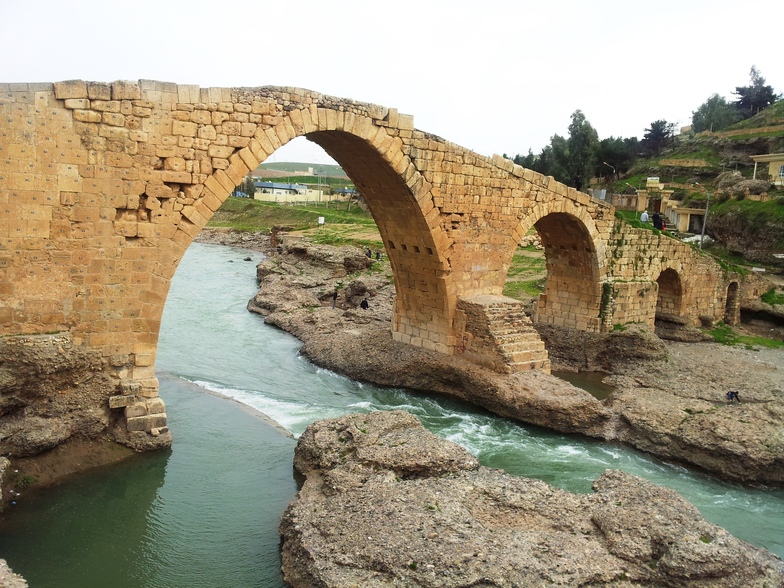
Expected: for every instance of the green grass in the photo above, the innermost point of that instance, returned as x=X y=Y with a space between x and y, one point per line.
x=244 y=214
x=773 y=115
x=726 y=336
x=531 y=288
x=337 y=238
x=773 y=297
x=693 y=150
x=753 y=135
x=525 y=278
x=751 y=211
x=522 y=264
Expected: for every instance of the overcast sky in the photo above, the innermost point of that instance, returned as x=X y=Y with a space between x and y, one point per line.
x=493 y=76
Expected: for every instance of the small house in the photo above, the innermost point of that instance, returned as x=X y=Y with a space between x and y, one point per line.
x=775 y=163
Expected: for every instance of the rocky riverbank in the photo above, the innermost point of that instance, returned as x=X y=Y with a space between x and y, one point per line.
x=386 y=503
x=669 y=398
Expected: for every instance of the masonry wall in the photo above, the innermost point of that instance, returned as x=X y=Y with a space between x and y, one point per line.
x=649 y=271
x=103 y=186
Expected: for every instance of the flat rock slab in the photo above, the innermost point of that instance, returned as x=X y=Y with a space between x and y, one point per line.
x=386 y=503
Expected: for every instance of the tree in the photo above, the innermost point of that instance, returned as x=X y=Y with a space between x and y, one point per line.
x=247 y=186
x=546 y=162
x=658 y=136
x=754 y=97
x=618 y=154
x=714 y=114
x=526 y=161
x=581 y=149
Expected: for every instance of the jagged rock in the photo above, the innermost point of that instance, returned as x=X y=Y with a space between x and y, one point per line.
x=582 y=350
x=386 y=503
x=49 y=391
x=8 y=579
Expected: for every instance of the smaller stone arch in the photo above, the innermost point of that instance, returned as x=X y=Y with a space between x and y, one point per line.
x=732 y=304
x=573 y=293
x=669 y=301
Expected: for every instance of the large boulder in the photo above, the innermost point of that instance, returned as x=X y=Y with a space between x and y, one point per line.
x=386 y=503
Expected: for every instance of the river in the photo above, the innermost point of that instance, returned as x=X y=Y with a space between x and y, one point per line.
x=205 y=513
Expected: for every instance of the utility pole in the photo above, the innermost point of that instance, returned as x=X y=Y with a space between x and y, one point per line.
x=705 y=217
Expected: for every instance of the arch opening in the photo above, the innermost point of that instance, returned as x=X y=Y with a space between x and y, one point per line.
x=422 y=302
x=424 y=305
x=572 y=295
x=669 y=301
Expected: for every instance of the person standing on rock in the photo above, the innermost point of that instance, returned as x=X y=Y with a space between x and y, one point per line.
x=364 y=304
x=334 y=298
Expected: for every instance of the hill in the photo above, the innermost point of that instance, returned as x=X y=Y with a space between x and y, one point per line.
x=293 y=168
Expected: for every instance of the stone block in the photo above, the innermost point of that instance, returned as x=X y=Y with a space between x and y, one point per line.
x=221 y=151
x=70 y=89
x=99 y=91
x=146 y=422
x=126 y=90
x=136 y=409
x=121 y=401
x=74 y=103
x=156 y=406
x=187 y=129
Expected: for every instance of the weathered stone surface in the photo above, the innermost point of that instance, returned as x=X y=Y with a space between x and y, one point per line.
x=669 y=398
x=368 y=515
x=8 y=579
x=121 y=401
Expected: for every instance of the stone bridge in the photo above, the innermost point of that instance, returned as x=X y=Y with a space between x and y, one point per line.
x=103 y=186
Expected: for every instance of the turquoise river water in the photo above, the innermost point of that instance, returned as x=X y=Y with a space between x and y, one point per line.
x=205 y=513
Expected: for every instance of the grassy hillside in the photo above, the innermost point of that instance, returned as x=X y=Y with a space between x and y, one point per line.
x=717 y=152
x=295 y=167
x=244 y=214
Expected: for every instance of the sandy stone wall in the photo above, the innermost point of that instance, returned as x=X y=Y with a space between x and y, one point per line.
x=651 y=272
x=499 y=335
x=103 y=186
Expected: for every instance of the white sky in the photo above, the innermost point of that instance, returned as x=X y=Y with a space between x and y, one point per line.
x=494 y=76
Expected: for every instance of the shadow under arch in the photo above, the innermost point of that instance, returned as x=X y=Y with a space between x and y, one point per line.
x=732 y=304
x=423 y=306
x=573 y=292
x=669 y=300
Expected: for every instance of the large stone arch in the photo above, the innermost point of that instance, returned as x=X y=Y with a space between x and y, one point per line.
x=399 y=200
x=402 y=206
